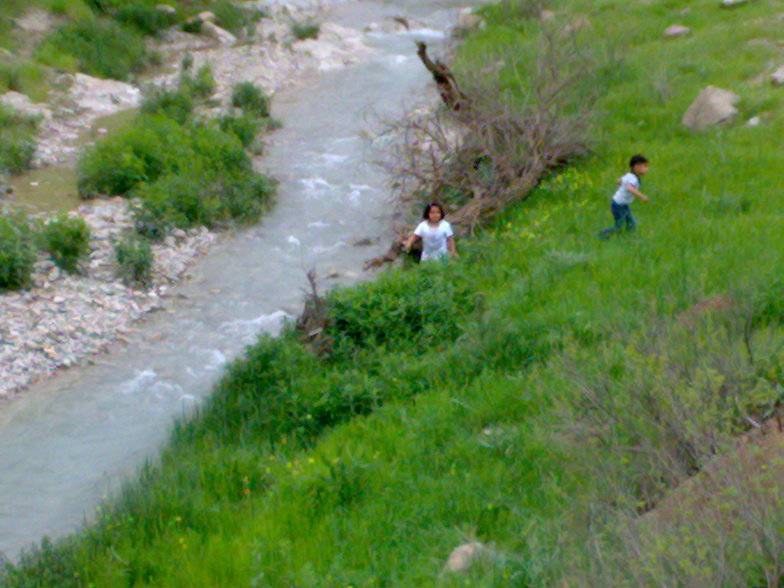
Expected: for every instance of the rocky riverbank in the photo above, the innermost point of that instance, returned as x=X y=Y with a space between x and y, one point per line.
x=64 y=319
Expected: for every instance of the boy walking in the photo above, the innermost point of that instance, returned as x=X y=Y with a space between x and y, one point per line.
x=624 y=196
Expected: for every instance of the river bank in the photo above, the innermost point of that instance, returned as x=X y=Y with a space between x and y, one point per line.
x=63 y=321
x=71 y=440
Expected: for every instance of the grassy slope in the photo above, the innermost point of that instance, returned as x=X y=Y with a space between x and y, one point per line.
x=484 y=452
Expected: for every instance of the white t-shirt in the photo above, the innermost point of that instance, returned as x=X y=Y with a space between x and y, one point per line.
x=623 y=196
x=433 y=239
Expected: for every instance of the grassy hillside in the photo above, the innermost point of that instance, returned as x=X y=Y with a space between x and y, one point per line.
x=542 y=395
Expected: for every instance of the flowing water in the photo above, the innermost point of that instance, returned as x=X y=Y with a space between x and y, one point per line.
x=68 y=442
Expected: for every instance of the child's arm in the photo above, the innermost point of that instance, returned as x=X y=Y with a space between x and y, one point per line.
x=450 y=245
x=410 y=241
x=637 y=193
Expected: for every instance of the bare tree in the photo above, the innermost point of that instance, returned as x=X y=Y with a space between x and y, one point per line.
x=491 y=147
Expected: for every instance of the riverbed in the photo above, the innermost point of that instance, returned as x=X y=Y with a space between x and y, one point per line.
x=69 y=442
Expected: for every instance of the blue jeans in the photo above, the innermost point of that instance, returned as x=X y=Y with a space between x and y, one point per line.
x=623 y=220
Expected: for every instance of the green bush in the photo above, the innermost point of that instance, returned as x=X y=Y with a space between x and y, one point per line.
x=154 y=146
x=244 y=127
x=67 y=240
x=305 y=30
x=188 y=200
x=24 y=76
x=201 y=85
x=407 y=310
x=249 y=98
x=17 y=252
x=134 y=260
x=176 y=104
x=148 y=20
x=17 y=140
x=233 y=17
x=99 y=47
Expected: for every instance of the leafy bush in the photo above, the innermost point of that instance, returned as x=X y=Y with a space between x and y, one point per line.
x=99 y=47
x=67 y=240
x=200 y=85
x=249 y=98
x=245 y=127
x=305 y=30
x=232 y=16
x=405 y=311
x=148 y=20
x=17 y=252
x=190 y=200
x=134 y=260
x=24 y=76
x=154 y=146
x=175 y=104
x=17 y=140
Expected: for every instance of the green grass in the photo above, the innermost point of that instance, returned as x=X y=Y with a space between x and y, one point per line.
x=548 y=394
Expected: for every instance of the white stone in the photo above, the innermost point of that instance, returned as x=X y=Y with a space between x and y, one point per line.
x=467 y=20
x=206 y=16
x=547 y=15
x=223 y=36
x=166 y=8
x=103 y=97
x=754 y=121
x=733 y=3
x=464 y=557
x=711 y=107
x=777 y=77
x=23 y=104
x=675 y=31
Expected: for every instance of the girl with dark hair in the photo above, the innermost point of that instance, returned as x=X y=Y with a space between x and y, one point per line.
x=436 y=234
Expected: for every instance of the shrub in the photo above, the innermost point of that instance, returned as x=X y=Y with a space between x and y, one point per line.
x=24 y=76
x=156 y=145
x=176 y=104
x=148 y=20
x=17 y=252
x=249 y=98
x=402 y=312
x=245 y=127
x=305 y=30
x=187 y=201
x=134 y=260
x=202 y=84
x=67 y=240
x=17 y=143
x=233 y=17
x=99 y=47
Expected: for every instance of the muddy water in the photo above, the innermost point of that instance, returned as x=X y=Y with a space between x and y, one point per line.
x=66 y=443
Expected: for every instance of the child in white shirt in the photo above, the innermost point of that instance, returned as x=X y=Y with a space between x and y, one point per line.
x=629 y=188
x=436 y=234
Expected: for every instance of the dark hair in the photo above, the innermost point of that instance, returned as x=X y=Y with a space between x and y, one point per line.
x=637 y=159
x=429 y=205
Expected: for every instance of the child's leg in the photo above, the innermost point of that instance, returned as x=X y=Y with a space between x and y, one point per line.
x=631 y=224
x=606 y=233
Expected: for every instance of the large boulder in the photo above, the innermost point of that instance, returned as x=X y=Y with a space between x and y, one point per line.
x=711 y=107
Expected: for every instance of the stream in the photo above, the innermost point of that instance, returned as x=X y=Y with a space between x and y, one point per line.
x=68 y=442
